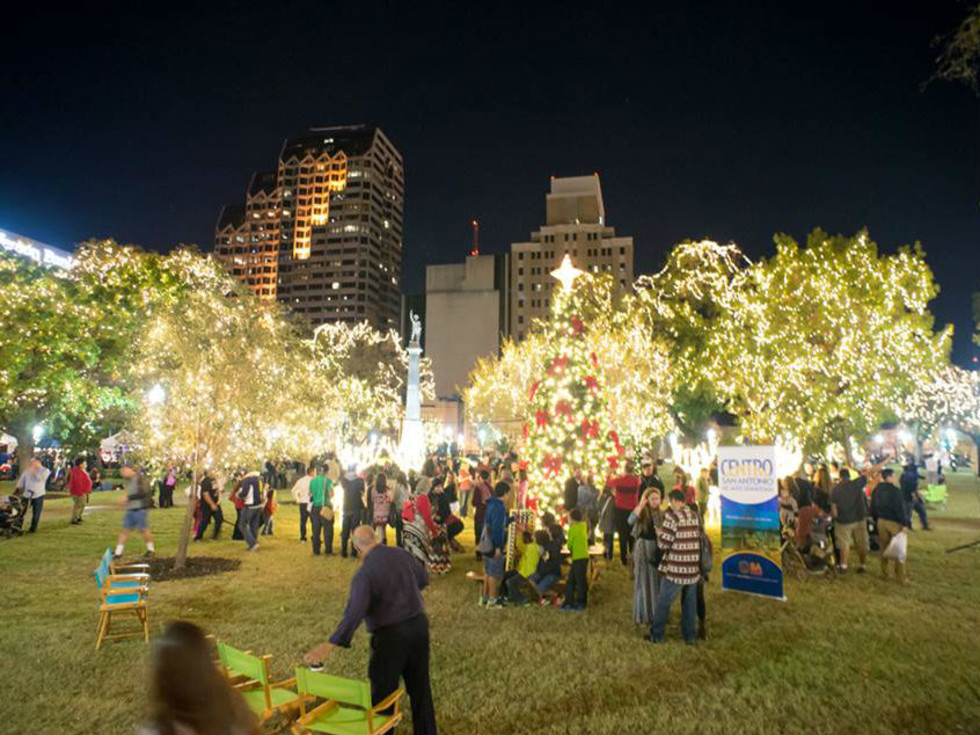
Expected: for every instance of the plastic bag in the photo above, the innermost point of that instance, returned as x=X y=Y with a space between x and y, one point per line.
x=897 y=548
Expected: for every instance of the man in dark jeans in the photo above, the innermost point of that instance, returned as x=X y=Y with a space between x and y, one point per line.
x=33 y=484
x=252 y=504
x=353 y=509
x=385 y=593
x=909 y=483
x=210 y=508
x=626 y=489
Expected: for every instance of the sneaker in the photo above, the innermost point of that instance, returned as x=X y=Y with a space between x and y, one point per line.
x=117 y=557
x=841 y=570
x=495 y=605
x=253 y=547
x=148 y=554
x=482 y=602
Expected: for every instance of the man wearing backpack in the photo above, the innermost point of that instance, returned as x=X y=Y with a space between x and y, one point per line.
x=680 y=567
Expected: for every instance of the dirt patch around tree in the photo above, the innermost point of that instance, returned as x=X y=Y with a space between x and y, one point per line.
x=162 y=567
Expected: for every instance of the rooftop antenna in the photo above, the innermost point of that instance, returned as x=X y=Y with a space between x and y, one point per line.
x=475 y=251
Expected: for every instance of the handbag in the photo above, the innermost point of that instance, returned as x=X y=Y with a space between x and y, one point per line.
x=485 y=547
x=326 y=513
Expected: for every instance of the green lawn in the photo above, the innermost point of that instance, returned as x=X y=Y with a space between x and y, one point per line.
x=857 y=655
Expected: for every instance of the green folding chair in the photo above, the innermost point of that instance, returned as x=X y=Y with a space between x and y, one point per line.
x=250 y=675
x=348 y=709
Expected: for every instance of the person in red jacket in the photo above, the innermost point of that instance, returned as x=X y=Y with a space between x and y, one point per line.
x=627 y=491
x=79 y=487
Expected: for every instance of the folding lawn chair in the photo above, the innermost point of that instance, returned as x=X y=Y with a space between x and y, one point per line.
x=121 y=593
x=250 y=675
x=348 y=709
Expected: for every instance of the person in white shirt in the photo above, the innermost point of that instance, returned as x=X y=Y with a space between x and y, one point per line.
x=301 y=494
x=33 y=484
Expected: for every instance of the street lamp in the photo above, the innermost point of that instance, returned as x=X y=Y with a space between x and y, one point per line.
x=156 y=395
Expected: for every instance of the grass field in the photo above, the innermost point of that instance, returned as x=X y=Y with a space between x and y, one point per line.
x=856 y=655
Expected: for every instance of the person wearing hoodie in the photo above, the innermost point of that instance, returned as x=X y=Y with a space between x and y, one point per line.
x=909 y=484
x=493 y=564
x=353 y=509
x=253 y=502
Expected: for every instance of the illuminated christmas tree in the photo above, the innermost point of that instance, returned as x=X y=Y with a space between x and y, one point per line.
x=569 y=427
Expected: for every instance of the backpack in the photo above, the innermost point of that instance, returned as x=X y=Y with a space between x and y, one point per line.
x=707 y=550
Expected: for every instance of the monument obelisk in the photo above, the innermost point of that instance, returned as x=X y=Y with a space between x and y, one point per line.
x=411 y=449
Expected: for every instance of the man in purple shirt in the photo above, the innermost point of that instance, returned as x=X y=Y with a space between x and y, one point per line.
x=386 y=593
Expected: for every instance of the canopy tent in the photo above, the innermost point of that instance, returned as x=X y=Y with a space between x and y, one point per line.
x=10 y=441
x=118 y=442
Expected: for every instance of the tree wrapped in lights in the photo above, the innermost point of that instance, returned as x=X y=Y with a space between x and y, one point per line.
x=949 y=398
x=360 y=372
x=227 y=365
x=825 y=341
x=65 y=338
x=570 y=426
x=685 y=305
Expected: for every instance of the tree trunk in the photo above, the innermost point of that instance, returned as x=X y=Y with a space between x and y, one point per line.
x=25 y=448
x=184 y=540
x=846 y=441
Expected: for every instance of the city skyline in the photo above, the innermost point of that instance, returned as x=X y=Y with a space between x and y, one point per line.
x=767 y=122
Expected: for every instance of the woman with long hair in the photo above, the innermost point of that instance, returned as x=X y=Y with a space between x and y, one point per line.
x=189 y=694
x=646 y=520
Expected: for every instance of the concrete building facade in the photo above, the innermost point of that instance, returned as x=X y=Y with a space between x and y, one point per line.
x=466 y=317
x=575 y=224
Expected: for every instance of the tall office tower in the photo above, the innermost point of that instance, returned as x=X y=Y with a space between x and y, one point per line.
x=323 y=233
x=575 y=224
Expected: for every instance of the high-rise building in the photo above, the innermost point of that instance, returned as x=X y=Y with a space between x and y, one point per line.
x=575 y=224
x=323 y=233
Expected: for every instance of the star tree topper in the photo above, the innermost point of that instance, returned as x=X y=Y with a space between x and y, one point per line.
x=567 y=273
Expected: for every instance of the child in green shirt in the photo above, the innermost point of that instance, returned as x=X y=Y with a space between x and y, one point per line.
x=577 y=591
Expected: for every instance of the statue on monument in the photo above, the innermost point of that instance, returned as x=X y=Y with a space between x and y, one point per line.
x=416 y=328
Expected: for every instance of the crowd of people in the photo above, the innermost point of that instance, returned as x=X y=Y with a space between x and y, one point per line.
x=404 y=527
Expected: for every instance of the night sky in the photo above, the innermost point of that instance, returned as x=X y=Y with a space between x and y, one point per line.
x=730 y=121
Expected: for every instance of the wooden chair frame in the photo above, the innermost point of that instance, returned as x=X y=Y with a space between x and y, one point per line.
x=243 y=683
x=392 y=700
x=138 y=608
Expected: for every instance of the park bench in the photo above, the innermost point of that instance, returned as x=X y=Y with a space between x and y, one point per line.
x=551 y=596
x=121 y=593
x=347 y=709
x=249 y=674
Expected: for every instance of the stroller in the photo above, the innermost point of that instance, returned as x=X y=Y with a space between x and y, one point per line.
x=13 y=511
x=819 y=553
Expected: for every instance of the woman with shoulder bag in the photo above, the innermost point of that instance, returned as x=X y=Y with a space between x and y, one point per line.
x=646 y=520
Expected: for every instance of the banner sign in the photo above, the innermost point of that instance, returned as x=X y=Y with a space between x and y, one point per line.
x=750 y=539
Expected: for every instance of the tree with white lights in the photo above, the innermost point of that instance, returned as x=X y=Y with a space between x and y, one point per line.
x=221 y=366
x=64 y=338
x=825 y=341
x=950 y=398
